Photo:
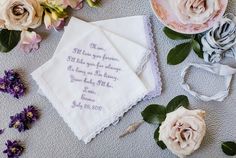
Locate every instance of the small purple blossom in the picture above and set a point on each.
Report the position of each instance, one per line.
(31, 114)
(3, 85)
(23, 120)
(2, 131)
(12, 84)
(17, 89)
(19, 122)
(11, 76)
(14, 149)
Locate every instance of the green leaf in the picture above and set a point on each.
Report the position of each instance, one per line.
(154, 114)
(9, 39)
(161, 144)
(179, 53)
(175, 35)
(229, 148)
(197, 48)
(177, 102)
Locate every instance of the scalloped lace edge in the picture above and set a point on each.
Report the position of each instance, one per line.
(156, 73)
(115, 119)
(155, 66)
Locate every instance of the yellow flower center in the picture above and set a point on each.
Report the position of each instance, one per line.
(30, 114)
(2, 86)
(16, 125)
(13, 150)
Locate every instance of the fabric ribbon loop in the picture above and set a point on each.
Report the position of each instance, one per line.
(217, 69)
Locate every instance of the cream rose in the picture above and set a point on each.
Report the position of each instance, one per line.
(20, 14)
(183, 131)
(195, 11)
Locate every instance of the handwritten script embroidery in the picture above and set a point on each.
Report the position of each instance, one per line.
(92, 68)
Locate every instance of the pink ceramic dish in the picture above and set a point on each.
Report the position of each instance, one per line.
(166, 15)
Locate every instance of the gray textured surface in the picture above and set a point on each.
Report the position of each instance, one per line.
(51, 138)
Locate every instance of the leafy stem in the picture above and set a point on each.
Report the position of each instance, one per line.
(179, 53)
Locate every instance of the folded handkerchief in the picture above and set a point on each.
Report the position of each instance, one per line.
(135, 55)
(127, 29)
(138, 29)
(90, 84)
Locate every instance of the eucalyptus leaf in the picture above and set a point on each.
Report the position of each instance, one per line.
(175, 35)
(179, 53)
(229, 148)
(177, 102)
(8, 39)
(161, 144)
(154, 114)
(197, 48)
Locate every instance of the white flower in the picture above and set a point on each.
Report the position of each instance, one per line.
(183, 131)
(195, 11)
(20, 14)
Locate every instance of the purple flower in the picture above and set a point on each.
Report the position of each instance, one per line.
(19, 122)
(14, 149)
(3, 85)
(2, 131)
(17, 89)
(24, 119)
(11, 75)
(31, 114)
(12, 84)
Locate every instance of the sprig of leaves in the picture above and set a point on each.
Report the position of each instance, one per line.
(156, 114)
(229, 148)
(8, 39)
(179, 53)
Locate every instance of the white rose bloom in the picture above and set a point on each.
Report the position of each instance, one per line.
(195, 11)
(20, 14)
(183, 131)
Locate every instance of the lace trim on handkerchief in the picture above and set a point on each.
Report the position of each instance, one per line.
(144, 61)
(114, 120)
(153, 56)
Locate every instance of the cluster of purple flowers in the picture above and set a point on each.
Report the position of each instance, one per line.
(12, 84)
(14, 149)
(23, 120)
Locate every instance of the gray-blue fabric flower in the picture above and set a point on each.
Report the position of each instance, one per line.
(220, 41)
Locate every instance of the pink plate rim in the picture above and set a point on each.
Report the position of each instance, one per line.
(211, 22)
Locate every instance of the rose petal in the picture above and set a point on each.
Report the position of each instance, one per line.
(47, 20)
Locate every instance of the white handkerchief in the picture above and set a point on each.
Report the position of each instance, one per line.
(90, 84)
(136, 29)
(135, 55)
